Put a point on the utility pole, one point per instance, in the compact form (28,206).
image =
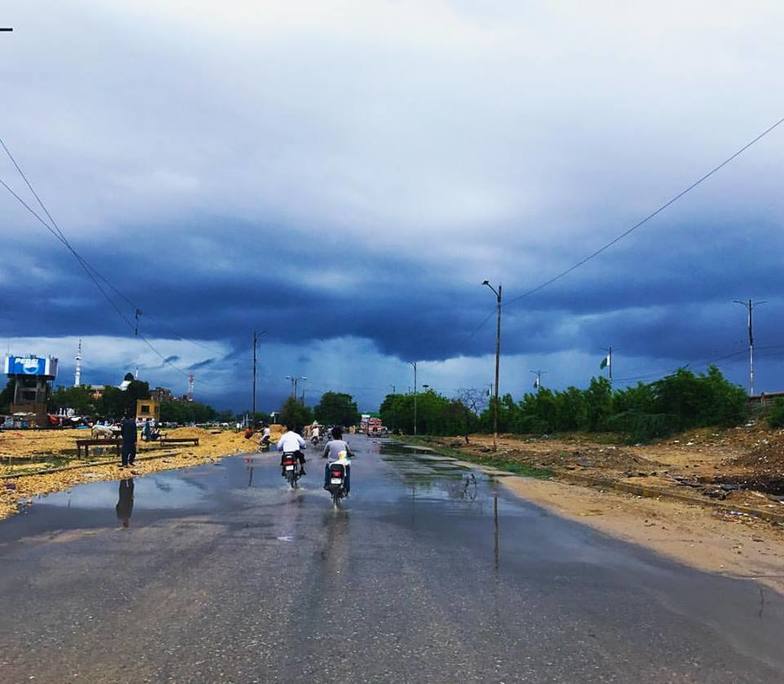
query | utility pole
(393,389)
(538,380)
(253,402)
(414,365)
(256,337)
(497,294)
(191,380)
(749,305)
(137,314)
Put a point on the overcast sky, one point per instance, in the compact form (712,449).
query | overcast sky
(344,175)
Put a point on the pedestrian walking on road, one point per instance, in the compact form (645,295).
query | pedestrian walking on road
(128,432)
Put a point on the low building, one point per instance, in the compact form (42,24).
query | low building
(148,408)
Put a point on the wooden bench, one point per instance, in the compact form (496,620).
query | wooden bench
(87,443)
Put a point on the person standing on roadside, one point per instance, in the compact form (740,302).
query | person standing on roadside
(128,433)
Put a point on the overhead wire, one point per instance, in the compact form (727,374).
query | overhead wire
(90,270)
(650,216)
(637,225)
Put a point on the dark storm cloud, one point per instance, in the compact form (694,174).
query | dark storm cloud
(324,181)
(649,297)
(201,364)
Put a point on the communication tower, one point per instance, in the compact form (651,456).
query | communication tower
(190,387)
(78,372)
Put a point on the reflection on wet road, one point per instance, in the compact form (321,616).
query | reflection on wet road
(429,572)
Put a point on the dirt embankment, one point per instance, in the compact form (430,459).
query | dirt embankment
(740,467)
(28,451)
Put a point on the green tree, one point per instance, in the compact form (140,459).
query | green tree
(184,412)
(77,398)
(336,408)
(115,403)
(294,414)
(599,404)
(7,396)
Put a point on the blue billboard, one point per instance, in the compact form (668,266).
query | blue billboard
(36,366)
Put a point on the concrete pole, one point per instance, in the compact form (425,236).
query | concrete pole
(413,363)
(253,403)
(497,368)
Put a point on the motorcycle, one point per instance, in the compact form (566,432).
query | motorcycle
(264,445)
(292,469)
(336,483)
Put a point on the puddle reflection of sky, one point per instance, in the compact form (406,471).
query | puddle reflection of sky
(151,492)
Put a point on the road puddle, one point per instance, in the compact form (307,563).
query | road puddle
(133,502)
(437,478)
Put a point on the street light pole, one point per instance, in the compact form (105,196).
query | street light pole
(294,381)
(413,363)
(497,294)
(253,403)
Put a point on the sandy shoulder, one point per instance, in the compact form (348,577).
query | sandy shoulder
(689,534)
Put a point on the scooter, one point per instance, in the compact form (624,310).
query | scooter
(292,469)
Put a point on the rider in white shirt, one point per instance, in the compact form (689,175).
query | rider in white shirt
(291,443)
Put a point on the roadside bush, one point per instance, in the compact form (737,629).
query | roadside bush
(641,413)
(776,415)
(642,427)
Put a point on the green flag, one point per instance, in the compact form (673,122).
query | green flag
(605,362)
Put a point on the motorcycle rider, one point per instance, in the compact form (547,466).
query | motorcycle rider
(337,449)
(291,443)
(265,437)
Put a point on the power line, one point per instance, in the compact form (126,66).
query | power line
(650,216)
(639,224)
(91,272)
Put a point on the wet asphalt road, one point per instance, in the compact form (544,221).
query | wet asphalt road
(429,573)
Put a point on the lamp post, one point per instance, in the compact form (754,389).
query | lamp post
(497,294)
(413,364)
(294,380)
(256,336)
